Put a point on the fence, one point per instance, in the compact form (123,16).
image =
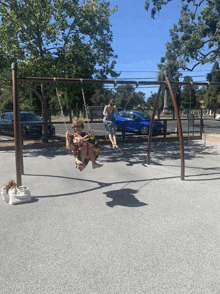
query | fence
(33,131)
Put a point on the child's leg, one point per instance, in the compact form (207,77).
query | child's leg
(83,152)
(91,154)
(92,157)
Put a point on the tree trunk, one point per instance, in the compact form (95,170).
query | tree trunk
(44,96)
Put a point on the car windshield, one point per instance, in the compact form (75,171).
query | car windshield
(143,115)
(29,117)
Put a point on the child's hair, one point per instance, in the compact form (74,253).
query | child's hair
(78,122)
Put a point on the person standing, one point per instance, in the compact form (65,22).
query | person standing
(110,123)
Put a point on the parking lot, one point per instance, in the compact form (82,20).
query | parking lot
(127,227)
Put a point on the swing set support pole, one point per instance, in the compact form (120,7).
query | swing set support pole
(152,123)
(179,127)
(17,127)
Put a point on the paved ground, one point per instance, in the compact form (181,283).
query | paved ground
(125,228)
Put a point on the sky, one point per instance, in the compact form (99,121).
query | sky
(139,41)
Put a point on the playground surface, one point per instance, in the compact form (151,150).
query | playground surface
(127,227)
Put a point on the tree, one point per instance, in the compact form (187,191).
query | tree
(200,95)
(127,98)
(212,96)
(6,101)
(102,96)
(57,39)
(150,101)
(188,94)
(195,39)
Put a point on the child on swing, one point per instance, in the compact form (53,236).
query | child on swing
(83,146)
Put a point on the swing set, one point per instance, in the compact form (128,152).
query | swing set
(161,84)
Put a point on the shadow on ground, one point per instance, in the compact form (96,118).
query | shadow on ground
(131,200)
(126,197)
(136,153)
(123,197)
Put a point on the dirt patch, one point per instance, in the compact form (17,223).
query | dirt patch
(212,138)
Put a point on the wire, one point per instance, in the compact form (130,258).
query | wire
(136,71)
(157,71)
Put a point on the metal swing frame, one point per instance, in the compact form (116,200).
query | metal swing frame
(16,109)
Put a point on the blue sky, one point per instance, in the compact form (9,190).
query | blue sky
(139,41)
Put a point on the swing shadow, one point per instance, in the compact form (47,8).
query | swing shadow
(118,196)
(123,197)
(101,185)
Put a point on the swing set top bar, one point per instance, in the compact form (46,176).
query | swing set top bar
(85,81)
(113,82)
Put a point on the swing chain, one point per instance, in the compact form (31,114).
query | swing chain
(59,100)
(84,101)
(61,107)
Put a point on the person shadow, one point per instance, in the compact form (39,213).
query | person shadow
(123,197)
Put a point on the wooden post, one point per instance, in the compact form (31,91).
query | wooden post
(17,126)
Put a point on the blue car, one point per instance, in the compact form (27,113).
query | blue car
(137,121)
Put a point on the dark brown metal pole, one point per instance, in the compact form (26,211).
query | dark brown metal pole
(20,129)
(20,138)
(152,123)
(179,127)
(94,81)
(16,111)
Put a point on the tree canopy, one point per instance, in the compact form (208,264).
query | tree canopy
(195,39)
(151,99)
(102,96)
(188,94)
(212,96)
(60,38)
(125,96)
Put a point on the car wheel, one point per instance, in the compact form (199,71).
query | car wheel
(144,130)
